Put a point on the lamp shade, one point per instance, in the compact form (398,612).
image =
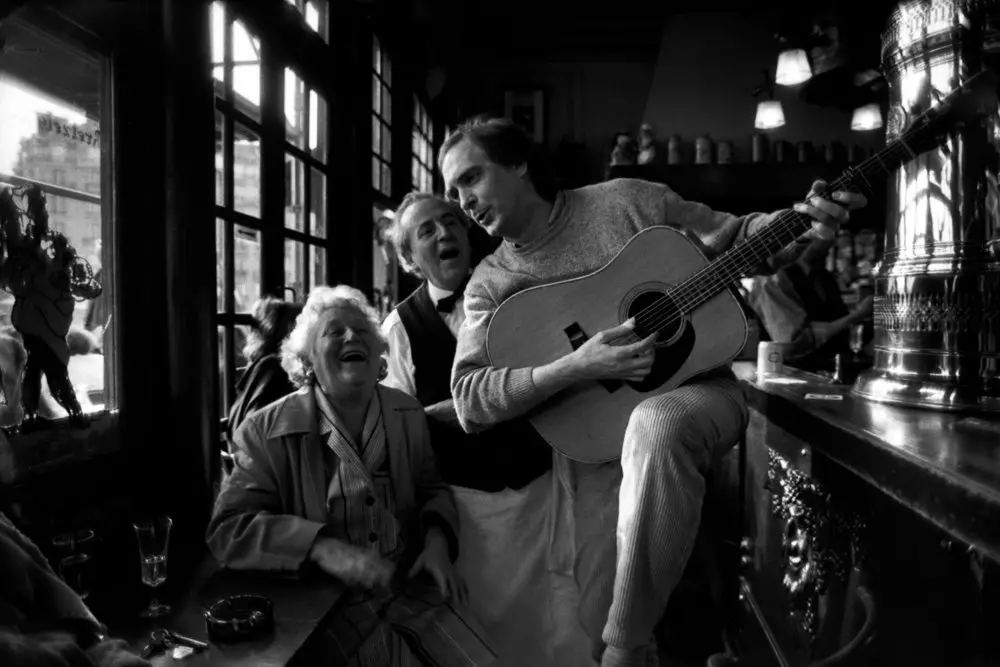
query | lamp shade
(868,117)
(793,68)
(769,115)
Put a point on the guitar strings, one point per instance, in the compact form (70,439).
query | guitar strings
(674,306)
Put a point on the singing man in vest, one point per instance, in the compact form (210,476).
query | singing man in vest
(516,544)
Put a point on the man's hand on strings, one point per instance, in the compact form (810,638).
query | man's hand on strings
(829,212)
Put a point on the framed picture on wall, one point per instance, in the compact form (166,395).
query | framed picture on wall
(527,109)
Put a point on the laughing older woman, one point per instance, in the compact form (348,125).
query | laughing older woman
(340,476)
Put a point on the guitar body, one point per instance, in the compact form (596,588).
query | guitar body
(539,325)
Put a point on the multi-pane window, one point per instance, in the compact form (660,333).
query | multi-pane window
(241,248)
(423,148)
(238,225)
(315,15)
(381,119)
(305,187)
(53,158)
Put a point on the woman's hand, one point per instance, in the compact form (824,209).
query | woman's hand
(435,561)
(354,566)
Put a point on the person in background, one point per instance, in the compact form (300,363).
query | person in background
(801,305)
(508,500)
(264,381)
(43,622)
(636,519)
(340,477)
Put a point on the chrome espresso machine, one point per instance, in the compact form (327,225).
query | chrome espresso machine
(937,287)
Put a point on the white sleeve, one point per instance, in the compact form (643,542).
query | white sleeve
(401,372)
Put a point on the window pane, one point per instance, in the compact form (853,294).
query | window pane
(218,33)
(386,69)
(386,143)
(376,55)
(50,133)
(295,193)
(376,172)
(376,94)
(295,109)
(376,134)
(318,275)
(317,207)
(316,18)
(220,167)
(246,267)
(246,71)
(246,89)
(246,46)
(386,180)
(246,171)
(295,268)
(386,105)
(220,264)
(317,126)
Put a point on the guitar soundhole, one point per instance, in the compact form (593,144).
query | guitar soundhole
(675,340)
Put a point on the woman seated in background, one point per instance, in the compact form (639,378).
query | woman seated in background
(43,622)
(340,476)
(264,381)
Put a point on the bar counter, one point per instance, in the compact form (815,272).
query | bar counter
(943,466)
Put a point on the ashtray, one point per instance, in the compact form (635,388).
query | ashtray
(240,618)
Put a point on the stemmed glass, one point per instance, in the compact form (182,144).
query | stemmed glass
(153,536)
(75,564)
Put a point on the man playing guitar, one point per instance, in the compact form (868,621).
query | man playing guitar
(654,495)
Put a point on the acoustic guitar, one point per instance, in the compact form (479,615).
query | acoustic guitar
(663,280)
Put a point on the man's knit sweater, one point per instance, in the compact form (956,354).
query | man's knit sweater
(587,228)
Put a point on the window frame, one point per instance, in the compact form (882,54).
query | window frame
(65,447)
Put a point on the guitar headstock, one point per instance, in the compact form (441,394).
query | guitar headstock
(965,104)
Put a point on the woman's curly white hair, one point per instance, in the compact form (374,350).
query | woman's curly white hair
(295,350)
(401,243)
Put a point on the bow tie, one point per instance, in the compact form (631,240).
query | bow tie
(447,304)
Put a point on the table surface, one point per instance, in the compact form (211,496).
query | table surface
(299,606)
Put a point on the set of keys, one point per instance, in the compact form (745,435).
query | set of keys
(161,641)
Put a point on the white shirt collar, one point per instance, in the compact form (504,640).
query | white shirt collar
(436,293)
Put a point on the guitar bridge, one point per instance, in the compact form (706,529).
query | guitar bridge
(577,337)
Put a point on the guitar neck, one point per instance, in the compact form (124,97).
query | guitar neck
(741,261)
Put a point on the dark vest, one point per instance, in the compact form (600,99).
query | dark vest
(509,454)
(820,295)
